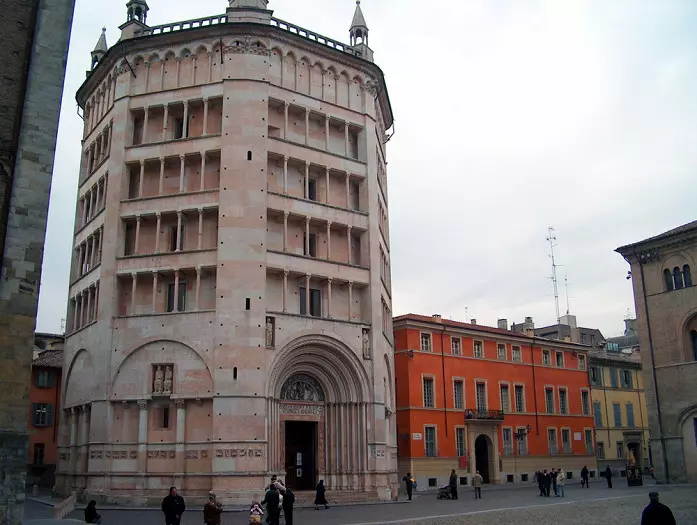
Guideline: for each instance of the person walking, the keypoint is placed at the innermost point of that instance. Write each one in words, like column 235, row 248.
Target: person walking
column 272, row 502
column 608, row 476
column 561, row 479
column 584, row 477
column 409, row 483
column 553, row 474
column 477, row 482
column 173, row 507
column 320, row 498
column 212, row 510
column 91, row 514
column 656, row 513
column 453, row 484
column 288, row 501
column 546, row 482
column 540, row 482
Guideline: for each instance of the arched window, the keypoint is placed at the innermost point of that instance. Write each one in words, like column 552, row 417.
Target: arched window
column 693, row 340
column 668, row 278
column 677, row 278
column 686, row 276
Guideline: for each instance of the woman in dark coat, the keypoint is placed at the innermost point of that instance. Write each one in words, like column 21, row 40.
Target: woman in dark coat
column 91, row 515
column 320, row 498
column 288, row 500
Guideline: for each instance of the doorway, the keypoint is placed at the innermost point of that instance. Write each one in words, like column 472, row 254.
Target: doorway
column 301, row 455
column 481, row 454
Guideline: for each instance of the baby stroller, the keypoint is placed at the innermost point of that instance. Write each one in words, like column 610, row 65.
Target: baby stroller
column 444, row 492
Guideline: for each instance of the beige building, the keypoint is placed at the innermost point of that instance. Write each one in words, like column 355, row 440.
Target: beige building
column 230, row 310
column 666, row 306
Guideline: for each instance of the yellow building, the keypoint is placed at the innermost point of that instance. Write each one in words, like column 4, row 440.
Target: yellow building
column 619, row 408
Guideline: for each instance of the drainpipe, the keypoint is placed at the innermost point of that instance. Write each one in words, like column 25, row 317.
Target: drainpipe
column 653, row 368
column 445, row 398
column 534, row 386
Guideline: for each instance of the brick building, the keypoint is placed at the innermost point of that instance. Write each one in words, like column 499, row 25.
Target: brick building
column 472, row 397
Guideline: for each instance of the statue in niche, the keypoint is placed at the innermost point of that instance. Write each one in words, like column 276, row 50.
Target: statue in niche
column 366, row 343
column 168, row 380
column 270, row 332
column 158, row 383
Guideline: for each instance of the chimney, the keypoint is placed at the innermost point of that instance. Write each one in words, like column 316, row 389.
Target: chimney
column 473, row 321
column 503, row 324
column 437, row 318
column 529, row 332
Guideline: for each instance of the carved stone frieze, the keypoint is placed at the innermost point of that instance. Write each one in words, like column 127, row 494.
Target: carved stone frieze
column 302, row 410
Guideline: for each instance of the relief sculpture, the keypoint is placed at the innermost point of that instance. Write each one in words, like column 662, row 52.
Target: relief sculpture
column 168, row 380
column 301, row 387
column 158, row 382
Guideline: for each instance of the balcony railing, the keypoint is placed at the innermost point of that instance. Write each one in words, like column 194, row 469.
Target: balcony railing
column 484, row 414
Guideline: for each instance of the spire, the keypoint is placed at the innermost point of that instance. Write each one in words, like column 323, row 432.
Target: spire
column 100, row 49
column 359, row 34
column 359, row 19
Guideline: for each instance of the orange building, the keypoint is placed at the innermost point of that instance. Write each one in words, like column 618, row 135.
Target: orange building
column 472, row 397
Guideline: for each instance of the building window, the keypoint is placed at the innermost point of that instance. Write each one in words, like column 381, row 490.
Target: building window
column 460, row 442
column 620, row 450
column 686, row 276
column 563, row 402
column 515, row 354
column 425, row 342
column 455, row 347
column 583, row 339
column 428, row 392
column 312, row 245
column 522, row 439
column 614, row 383
column 507, row 434
column 311, row 189
column 677, row 278
column 693, row 339
column 42, row 414
column 597, row 414
column 545, row 357
column 501, row 351
column 315, row 302
column 519, row 399
column 164, row 417
column 627, row 381
column 181, row 307
column 549, row 400
column 431, row 451
column 478, row 349
column 566, row 440
column 44, row 378
column 39, row 450
column 601, row 450
column 596, row 376
column 459, row 394
column 617, row 413
column 582, row 362
column 552, row 441
column 560, row 359
column 630, row 415
column 588, row 434
column 668, row 280
column 585, row 402
column 505, row 399
column 480, row 390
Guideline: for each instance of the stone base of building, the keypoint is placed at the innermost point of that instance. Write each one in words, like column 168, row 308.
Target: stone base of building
column 13, row 466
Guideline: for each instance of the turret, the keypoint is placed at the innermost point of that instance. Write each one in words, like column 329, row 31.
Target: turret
column 136, row 19
column 359, row 34
column 100, row 49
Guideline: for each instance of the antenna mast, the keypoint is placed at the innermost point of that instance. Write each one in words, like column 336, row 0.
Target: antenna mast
column 551, row 238
column 566, row 285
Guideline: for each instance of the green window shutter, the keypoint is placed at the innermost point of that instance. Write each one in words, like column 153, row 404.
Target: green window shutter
column 49, row 415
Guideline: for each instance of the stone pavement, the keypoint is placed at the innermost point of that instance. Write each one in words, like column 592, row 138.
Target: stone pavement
column 621, row 505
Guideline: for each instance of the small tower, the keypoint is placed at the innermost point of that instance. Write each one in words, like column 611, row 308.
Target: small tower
column 136, row 18
column 249, row 11
column 359, row 35
column 100, row 49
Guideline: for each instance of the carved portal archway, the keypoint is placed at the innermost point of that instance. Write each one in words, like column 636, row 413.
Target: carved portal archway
column 302, row 387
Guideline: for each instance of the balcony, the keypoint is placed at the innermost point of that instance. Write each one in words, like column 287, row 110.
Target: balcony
column 168, row 260
column 479, row 414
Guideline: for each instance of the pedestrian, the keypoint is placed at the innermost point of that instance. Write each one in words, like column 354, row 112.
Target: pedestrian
column 657, row 513
column 608, row 476
column 288, row 501
column 584, row 477
column 272, row 502
column 320, row 498
column 477, row 481
column 91, row 514
column 652, row 473
column 453, row 484
column 212, row 510
column 409, row 483
column 554, row 482
column 173, row 507
column 561, row 479
column 255, row 513
column 540, row 482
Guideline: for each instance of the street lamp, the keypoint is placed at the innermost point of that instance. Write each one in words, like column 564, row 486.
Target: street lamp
column 520, row 435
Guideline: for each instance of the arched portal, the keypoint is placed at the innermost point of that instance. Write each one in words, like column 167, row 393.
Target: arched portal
column 483, row 452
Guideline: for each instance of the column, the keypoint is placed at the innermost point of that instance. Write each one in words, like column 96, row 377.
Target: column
column 307, row 127
column 88, row 317
column 98, row 199
column 326, row 132
column 329, row 240
column 329, row 440
column 145, row 127
column 348, row 191
column 307, row 294
column 285, row 231
column 329, row 297
column 326, row 185
column 83, row 309
column 182, row 165
column 193, row 70
column 134, row 283
column 162, row 176
column 197, row 304
column 79, row 261
column 147, row 75
column 96, row 300
column 73, row 439
column 307, row 179
column 346, row 138
column 180, row 435
column 142, row 438
column 200, row 228
column 75, row 317
column 185, row 131
column 141, row 179
column 205, row 116
column 203, row 171
column 350, row 300
column 93, row 202
column 176, row 291
column 84, row 210
column 285, row 175
column 178, row 81
column 349, row 245
column 307, row 236
column 165, row 122
column 101, row 243
column 157, row 232
column 154, row 292
column 285, row 121
column 84, row 437
column 285, row 290
column 179, row 232
column 137, row 242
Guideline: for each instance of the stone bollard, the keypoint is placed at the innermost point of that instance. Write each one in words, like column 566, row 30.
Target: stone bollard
column 35, row 490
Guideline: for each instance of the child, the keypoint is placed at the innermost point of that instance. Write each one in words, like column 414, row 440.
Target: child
column 255, row 514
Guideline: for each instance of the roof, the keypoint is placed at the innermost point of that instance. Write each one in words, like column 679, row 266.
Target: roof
column 49, row 359
column 633, row 358
column 358, row 18
column 101, row 46
column 685, row 228
column 479, row 328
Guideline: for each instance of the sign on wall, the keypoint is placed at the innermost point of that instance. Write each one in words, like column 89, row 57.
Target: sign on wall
column 417, row 436
column 578, row 436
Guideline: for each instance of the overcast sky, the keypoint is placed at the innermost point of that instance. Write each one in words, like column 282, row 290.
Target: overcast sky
column 511, row 116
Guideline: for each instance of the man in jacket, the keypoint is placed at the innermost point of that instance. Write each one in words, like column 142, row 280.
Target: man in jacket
column 657, row 513
column 212, row 511
column 453, row 484
column 477, row 481
column 408, row 483
column 553, row 474
column 173, row 507
column 561, row 479
column 272, row 502
column 584, row 477
column 608, row 476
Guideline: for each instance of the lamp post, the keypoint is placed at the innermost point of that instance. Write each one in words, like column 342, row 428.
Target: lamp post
column 520, row 435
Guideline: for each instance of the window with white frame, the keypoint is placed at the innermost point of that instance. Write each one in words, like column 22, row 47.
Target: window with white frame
column 560, row 359
column 430, row 442
column 515, row 354
column 566, row 440
column 585, row 402
column 522, row 439
column 626, row 376
column 459, row 394
column 552, row 441
column 505, row 399
column 501, row 349
column 460, row 442
column 588, row 434
column 428, row 392
column 549, row 400
column 519, row 398
column 455, row 346
column 507, row 435
column 545, row 357
column 563, row 402
column 582, row 362
column 478, row 349
column 425, row 342
column 480, row 390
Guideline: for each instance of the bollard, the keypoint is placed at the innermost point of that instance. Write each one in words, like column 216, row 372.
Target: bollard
column 35, row 490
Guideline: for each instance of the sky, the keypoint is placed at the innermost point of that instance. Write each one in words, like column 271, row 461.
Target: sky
column 511, row 116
